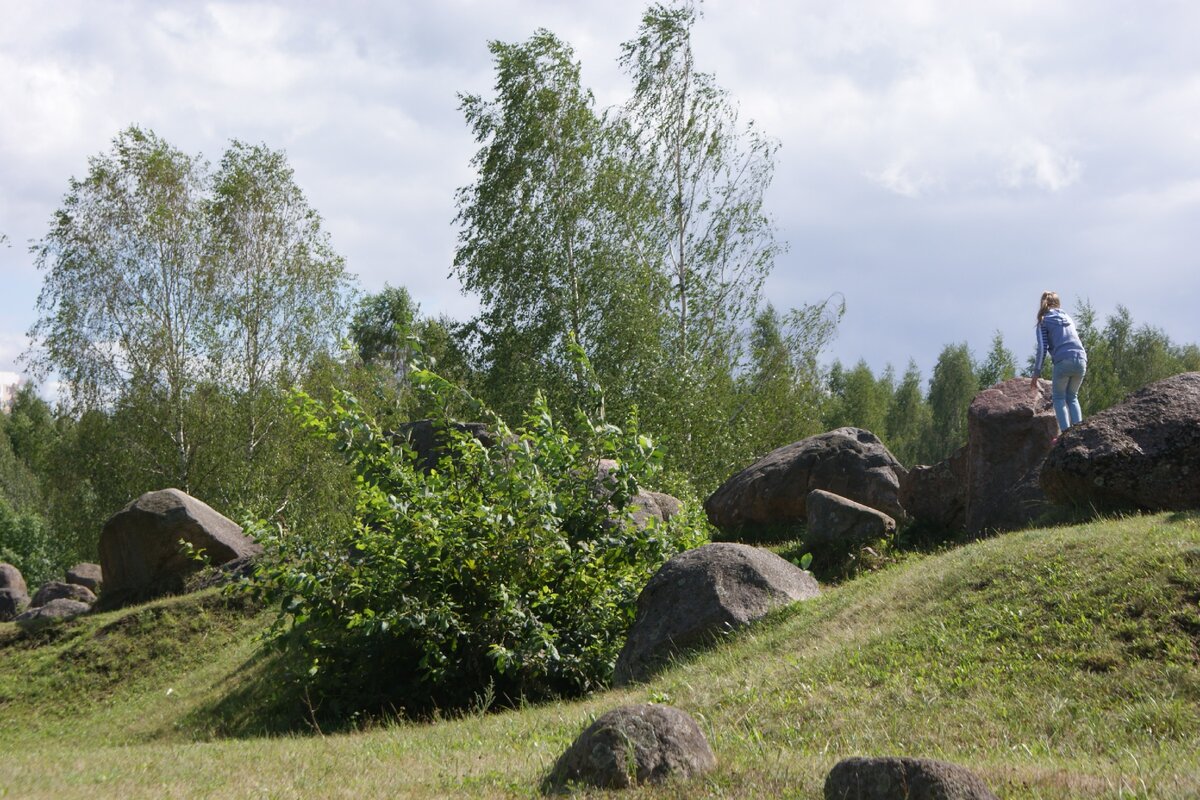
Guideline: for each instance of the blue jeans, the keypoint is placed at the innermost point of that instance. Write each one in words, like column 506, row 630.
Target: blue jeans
column 1068, row 375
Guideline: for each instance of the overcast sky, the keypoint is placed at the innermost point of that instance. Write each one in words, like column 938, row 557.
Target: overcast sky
column 942, row 161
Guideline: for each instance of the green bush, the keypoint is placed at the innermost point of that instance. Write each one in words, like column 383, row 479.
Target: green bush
column 25, row 543
column 503, row 573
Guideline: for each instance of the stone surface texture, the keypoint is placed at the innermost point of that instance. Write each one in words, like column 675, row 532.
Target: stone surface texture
column 57, row 590
column 936, row 495
column 14, row 595
column 1009, row 431
column 773, row 492
column 699, row 594
column 1141, row 454
column 841, row 524
column 140, row 551
column 903, row 779
column 87, row 574
column 634, row 745
column 35, row 619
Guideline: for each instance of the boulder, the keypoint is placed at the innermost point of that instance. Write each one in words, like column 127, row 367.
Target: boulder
column 634, row 745
column 140, row 551
column 12, row 579
column 57, row 590
column 903, row 779
column 700, row 594
column 89, row 575
column 840, row 525
column 1009, row 431
column 991, row 482
column 60, row 610
column 772, row 493
column 429, row 443
column 654, row 506
column 12, row 603
column 1141, row 454
column 14, row 596
column 936, row 495
column 646, row 506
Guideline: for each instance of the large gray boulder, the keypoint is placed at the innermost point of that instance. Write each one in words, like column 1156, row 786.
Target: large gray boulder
column 1009, row 431
column 14, row 596
column 634, row 745
column 991, row 483
column 772, row 493
column 57, row 590
column 839, row 525
column 903, row 779
column 61, row 610
column 1141, row 454
column 700, row 594
column 87, row 574
column 936, row 495
column 140, row 546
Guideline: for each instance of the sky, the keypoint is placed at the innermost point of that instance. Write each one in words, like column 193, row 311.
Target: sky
column 941, row 164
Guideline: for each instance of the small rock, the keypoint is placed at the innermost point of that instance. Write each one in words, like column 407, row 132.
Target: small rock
column 903, row 779
column 841, row 524
column 57, row 590
column 633, row 745
column 14, row 596
column 86, row 574
column 61, row 610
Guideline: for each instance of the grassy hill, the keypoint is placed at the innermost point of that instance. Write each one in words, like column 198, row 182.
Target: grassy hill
column 1057, row 663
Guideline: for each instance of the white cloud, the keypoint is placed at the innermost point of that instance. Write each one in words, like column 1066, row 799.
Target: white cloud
column 900, row 177
column 1036, row 163
column 992, row 117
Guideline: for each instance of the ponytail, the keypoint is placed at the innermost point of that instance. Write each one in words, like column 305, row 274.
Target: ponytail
column 1049, row 300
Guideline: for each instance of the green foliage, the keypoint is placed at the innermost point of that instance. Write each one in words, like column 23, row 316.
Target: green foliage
column 641, row 233
column 1000, row 364
column 381, row 327
column 25, row 542
column 1123, row 357
column 910, row 421
column 951, row 391
column 858, row 399
column 506, row 567
column 19, row 484
column 178, row 304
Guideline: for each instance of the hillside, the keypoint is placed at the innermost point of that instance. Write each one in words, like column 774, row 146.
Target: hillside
column 1057, row 663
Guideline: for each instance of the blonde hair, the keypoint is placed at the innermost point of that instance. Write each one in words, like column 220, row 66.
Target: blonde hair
column 1049, row 300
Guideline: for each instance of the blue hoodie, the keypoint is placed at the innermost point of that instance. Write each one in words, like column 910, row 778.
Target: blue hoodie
column 1056, row 335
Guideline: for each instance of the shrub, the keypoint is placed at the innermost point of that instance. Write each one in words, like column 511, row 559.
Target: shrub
column 26, row 544
column 504, row 572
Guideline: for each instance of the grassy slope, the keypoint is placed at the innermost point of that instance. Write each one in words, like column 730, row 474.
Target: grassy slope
column 1058, row 663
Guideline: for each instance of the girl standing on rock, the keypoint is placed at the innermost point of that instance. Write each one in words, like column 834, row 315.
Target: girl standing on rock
column 1056, row 335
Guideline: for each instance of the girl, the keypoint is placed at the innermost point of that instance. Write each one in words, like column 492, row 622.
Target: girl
column 1056, row 335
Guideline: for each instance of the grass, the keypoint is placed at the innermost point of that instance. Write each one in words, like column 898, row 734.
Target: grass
column 1057, row 663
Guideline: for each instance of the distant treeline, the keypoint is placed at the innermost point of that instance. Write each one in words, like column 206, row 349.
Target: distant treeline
column 924, row 424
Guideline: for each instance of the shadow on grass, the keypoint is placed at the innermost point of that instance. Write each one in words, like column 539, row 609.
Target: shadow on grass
column 262, row 699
